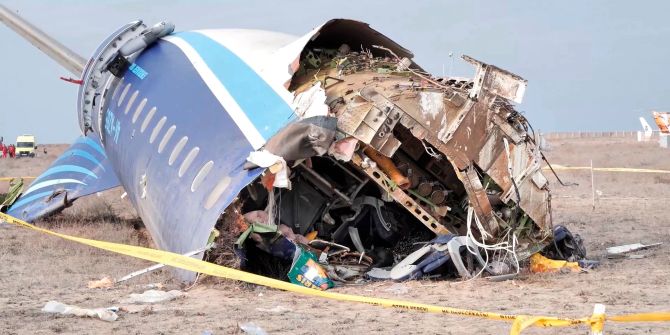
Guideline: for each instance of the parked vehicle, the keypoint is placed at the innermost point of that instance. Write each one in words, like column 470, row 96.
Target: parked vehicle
column 25, row 145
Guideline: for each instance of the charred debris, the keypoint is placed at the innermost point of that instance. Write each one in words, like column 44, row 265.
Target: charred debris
column 390, row 172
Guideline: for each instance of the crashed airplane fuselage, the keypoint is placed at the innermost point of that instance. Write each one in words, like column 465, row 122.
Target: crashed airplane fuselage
column 341, row 119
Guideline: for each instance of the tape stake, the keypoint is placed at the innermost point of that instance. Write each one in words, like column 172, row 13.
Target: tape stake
column 598, row 319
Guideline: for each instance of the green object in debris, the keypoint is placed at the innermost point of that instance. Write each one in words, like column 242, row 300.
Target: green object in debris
column 307, row 272
column 212, row 236
column 15, row 189
column 424, row 199
column 255, row 228
column 522, row 228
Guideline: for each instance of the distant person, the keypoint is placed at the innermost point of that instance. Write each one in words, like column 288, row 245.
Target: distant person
column 4, row 150
column 12, row 151
column 44, row 149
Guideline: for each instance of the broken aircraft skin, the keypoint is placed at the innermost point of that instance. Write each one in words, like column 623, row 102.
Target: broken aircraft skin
column 386, row 149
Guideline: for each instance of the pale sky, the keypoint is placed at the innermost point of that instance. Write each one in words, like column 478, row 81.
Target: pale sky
column 590, row 65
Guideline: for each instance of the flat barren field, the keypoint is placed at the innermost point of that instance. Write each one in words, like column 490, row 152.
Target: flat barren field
column 629, row 208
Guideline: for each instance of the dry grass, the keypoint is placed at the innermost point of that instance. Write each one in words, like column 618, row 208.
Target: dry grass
column 87, row 211
column 10, row 165
column 37, row 268
column 93, row 218
column 229, row 226
column 661, row 180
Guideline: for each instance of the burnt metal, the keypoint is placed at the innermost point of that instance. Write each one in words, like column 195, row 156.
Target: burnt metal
column 463, row 124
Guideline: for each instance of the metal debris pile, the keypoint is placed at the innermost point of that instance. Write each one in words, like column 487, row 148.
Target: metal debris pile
column 393, row 173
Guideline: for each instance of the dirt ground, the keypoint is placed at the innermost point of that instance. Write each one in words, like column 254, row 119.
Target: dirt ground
column 631, row 208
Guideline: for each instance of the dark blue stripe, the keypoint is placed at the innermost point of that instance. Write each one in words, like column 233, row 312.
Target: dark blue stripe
column 81, row 153
column 24, row 201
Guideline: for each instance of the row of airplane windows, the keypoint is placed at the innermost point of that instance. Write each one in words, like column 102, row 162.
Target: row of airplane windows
column 179, row 146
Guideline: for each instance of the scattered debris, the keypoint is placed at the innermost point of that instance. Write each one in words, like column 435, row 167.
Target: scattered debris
column 307, row 272
column 152, row 297
column 105, row 282
column 157, row 266
column 637, row 256
column 566, row 246
column 565, row 254
column 540, row 264
column 15, row 189
column 279, row 309
column 252, row 328
column 153, row 286
column 619, row 251
column 133, row 309
column 379, row 274
column 105, row 314
column 423, row 261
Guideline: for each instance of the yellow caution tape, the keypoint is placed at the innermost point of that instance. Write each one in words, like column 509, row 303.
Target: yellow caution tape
column 641, row 317
column 10, row 178
column 520, row 322
column 561, row 167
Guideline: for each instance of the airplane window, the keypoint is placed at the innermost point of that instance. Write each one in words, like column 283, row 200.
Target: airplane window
column 177, row 150
column 217, row 192
column 188, row 160
column 131, row 101
column 139, row 109
column 123, row 95
column 166, row 138
column 204, row 171
column 157, row 129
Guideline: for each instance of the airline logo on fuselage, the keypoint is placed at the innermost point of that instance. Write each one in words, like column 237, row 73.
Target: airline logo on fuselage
column 138, row 71
column 112, row 125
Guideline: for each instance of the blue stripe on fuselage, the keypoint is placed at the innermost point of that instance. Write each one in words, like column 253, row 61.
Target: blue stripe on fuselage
column 81, row 153
column 22, row 201
column 66, row 168
column 266, row 110
column 93, row 144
